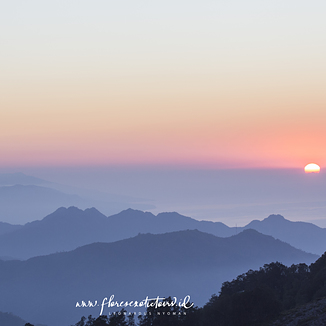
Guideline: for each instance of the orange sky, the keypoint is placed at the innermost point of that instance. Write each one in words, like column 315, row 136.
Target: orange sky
column 240, row 88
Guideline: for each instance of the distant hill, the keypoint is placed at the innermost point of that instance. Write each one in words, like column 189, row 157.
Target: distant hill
column 7, row 228
column 63, row 230
column 146, row 222
column 22, row 202
column 11, row 179
column 301, row 235
column 75, row 227
column 25, row 198
column 177, row 264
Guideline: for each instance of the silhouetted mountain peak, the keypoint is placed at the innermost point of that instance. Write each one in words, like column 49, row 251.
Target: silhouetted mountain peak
column 248, row 232
column 131, row 210
column 73, row 212
column 63, row 211
column 275, row 217
column 91, row 210
column 251, row 234
column 173, row 215
column 131, row 213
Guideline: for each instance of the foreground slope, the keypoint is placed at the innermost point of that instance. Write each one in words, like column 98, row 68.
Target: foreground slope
column 273, row 294
column 312, row 313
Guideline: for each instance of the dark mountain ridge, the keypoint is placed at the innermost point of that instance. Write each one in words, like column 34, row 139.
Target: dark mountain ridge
column 302, row 235
column 68, row 228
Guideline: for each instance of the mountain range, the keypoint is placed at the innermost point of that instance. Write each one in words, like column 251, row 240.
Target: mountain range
column 68, row 228
column 46, row 289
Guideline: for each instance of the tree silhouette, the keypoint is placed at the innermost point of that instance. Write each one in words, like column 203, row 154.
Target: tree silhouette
column 131, row 320
column 251, row 299
column 81, row 322
column 101, row 321
column 90, row 321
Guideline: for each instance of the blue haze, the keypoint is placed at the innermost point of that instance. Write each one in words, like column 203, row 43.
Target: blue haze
column 234, row 197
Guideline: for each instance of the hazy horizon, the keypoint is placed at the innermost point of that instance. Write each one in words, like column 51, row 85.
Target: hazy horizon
column 234, row 196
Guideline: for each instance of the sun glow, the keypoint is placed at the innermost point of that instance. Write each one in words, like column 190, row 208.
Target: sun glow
column 312, row 168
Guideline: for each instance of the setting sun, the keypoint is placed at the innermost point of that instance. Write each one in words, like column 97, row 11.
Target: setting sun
column 312, row 168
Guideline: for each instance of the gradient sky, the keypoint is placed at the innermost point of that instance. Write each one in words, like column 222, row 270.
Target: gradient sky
column 199, row 83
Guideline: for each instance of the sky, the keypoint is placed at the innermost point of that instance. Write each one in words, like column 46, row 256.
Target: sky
column 208, row 108
column 217, row 84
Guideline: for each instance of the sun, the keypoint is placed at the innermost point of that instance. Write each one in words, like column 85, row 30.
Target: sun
column 312, row 168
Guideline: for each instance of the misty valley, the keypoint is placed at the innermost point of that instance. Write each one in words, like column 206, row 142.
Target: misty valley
column 81, row 267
